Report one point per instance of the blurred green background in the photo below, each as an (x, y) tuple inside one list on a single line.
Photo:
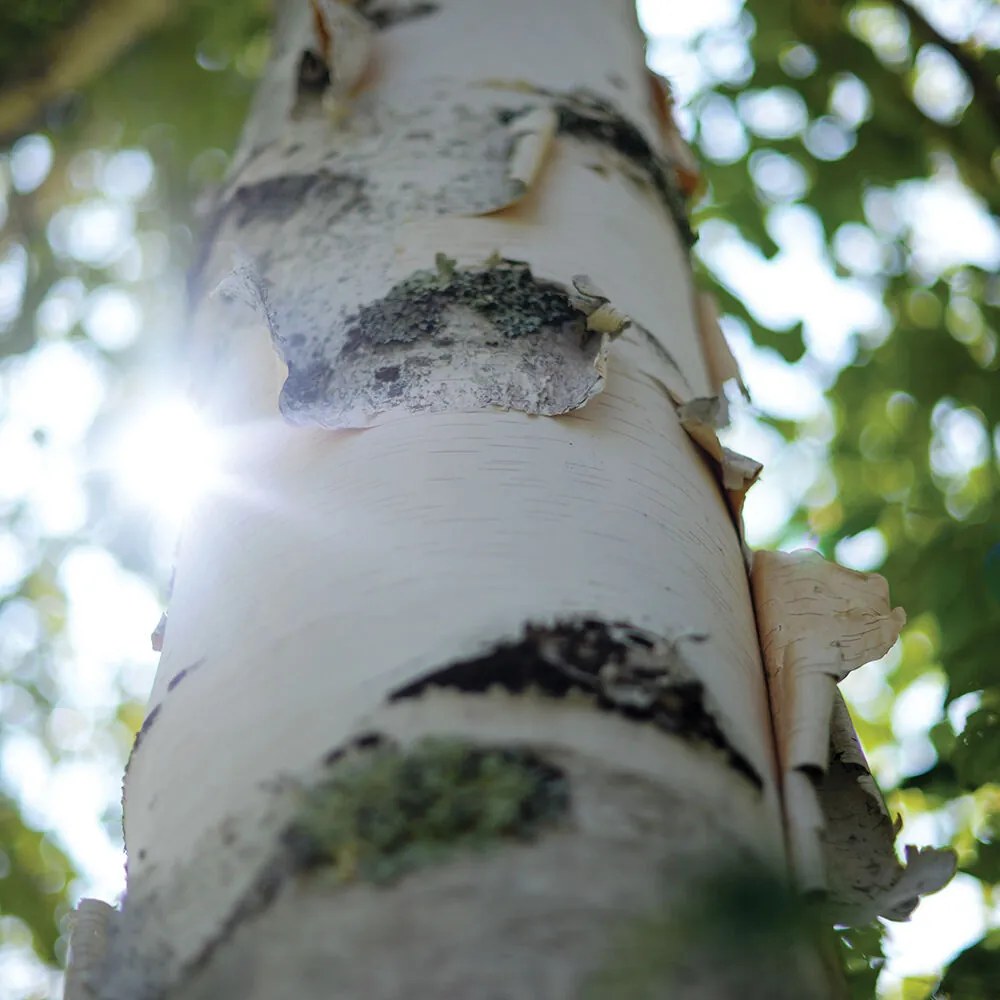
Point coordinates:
[(849, 229)]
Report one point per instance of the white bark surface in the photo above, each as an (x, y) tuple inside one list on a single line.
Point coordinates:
[(449, 474)]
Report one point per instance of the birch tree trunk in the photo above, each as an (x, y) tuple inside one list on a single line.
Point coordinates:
[(462, 692)]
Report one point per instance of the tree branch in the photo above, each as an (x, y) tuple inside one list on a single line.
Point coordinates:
[(75, 54)]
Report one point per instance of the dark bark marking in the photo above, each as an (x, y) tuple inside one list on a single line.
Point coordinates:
[(275, 199), (384, 15), (261, 894), (508, 295), (363, 741), (589, 117), (313, 75), (625, 669), (181, 674), (147, 724)]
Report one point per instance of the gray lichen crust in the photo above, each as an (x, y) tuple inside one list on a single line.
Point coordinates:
[(468, 339)]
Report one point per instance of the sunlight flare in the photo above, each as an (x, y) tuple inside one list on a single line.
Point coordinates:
[(166, 458)]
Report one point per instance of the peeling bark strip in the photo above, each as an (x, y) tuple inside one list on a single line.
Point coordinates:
[(590, 117), (625, 669), (817, 622), (457, 338)]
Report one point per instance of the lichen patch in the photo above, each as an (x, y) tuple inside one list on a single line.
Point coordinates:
[(387, 811)]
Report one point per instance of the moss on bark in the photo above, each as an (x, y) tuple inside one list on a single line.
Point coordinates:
[(387, 811)]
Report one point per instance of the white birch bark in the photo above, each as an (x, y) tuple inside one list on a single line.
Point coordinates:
[(483, 515)]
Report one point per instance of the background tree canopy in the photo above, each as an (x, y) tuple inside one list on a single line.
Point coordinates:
[(849, 228)]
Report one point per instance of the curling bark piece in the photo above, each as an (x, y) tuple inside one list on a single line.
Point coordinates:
[(452, 338), (736, 473), (703, 416), (817, 622)]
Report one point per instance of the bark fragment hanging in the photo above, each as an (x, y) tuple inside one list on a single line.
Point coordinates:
[(704, 416), (592, 118), (701, 417), (817, 622), (678, 154), (865, 879)]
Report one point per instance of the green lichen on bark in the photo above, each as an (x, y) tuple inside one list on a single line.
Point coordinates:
[(388, 811)]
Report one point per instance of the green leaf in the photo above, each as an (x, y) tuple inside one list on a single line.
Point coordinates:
[(975, 972), (862, 957), (977, 750), (987, 864)]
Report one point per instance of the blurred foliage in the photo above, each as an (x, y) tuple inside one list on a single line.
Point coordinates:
[(839, 115), (861, 954), (26, 29), (975, 973), (916, 410), (33, 877)]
